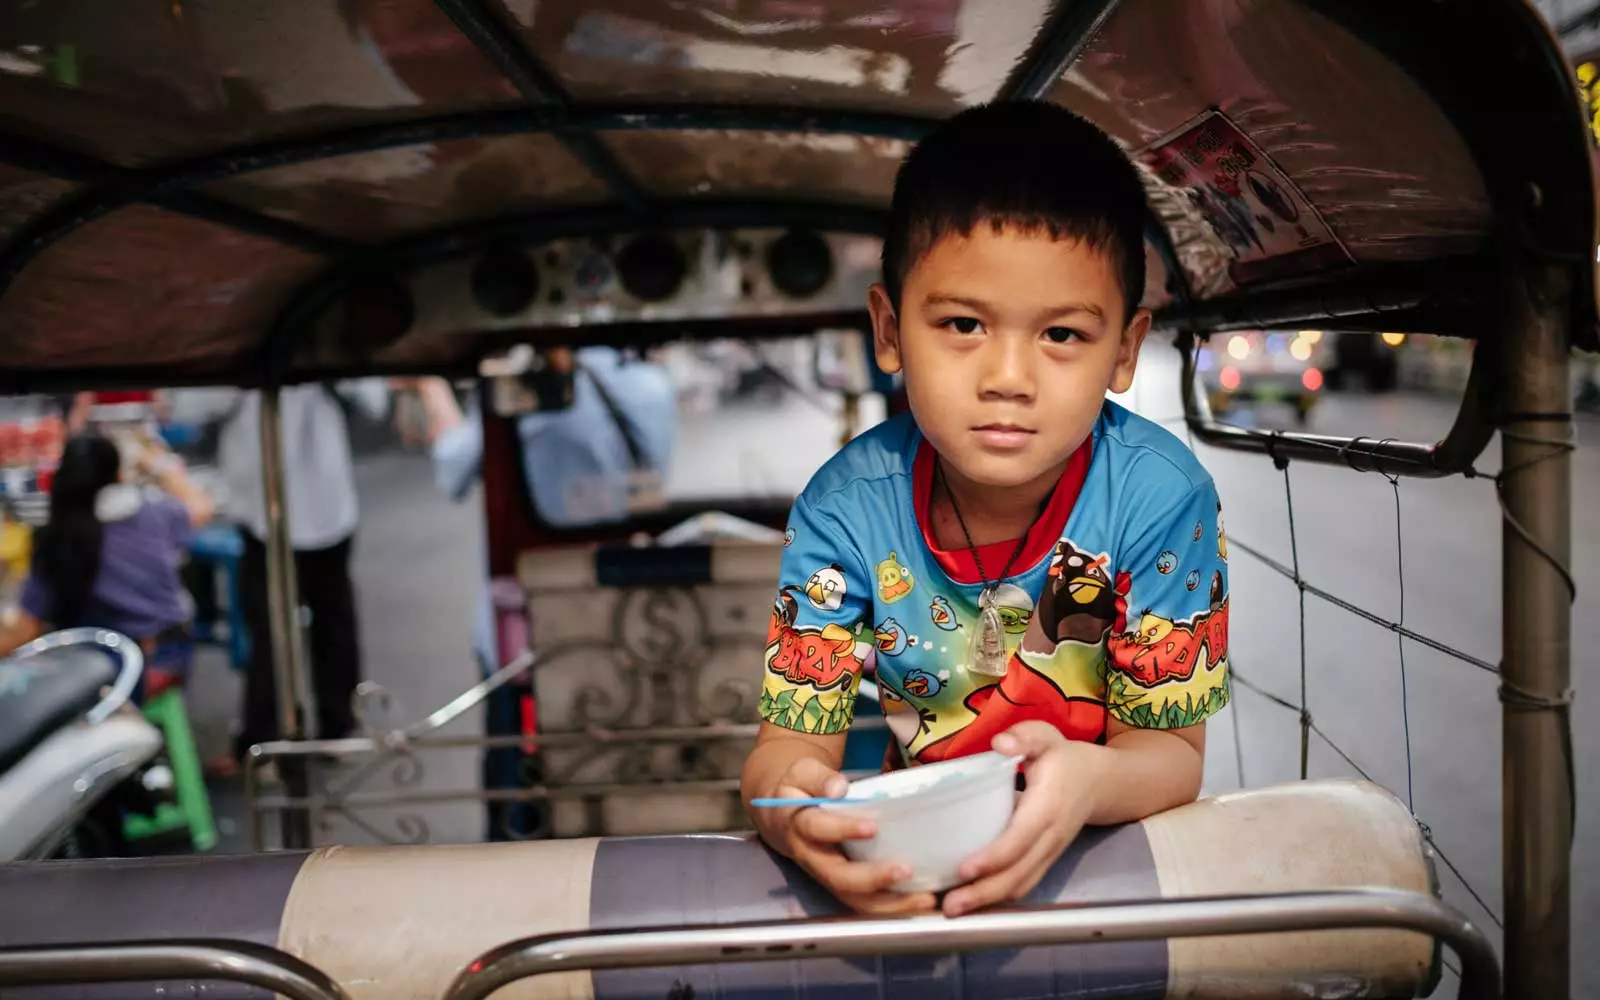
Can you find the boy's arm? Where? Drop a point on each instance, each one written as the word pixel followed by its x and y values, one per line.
pixel 1140 772
pixel 784 757
pixel 1167 670
pixel 811 672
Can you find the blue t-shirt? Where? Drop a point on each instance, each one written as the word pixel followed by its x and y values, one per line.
pixel 1118 602
pixel 137 591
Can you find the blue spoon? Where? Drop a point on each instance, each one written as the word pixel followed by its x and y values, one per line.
pixel 800 802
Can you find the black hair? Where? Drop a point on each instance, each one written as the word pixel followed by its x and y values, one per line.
pixel 1028 164
pixel 66 554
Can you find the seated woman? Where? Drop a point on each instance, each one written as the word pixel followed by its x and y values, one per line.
pixel 109 557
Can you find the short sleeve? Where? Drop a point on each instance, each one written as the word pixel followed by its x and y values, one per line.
pixel 1167 658
pixel 173 517
pixel 458 455
pixel 815 642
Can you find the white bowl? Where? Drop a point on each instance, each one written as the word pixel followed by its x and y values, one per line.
pixel 933 817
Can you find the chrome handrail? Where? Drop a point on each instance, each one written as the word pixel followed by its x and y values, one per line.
pixel 781 940
pixel 125 649
pixel 155 961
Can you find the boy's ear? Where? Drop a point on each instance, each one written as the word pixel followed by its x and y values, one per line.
pixel 885 329
pixel 1128 351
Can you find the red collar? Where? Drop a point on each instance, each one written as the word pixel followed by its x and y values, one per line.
pixel 958 564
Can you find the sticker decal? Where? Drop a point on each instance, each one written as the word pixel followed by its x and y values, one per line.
pixel 894 579
pixel 1268 223
pixel 826 588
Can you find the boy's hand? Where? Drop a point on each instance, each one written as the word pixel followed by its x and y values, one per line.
pixel 1053 808
pixel 811 837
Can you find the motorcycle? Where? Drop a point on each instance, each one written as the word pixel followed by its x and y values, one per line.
pixel 76 755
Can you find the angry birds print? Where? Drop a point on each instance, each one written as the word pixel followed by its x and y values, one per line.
pixel 890 638
pixel 921 684
pixel 1158 649
pixel 1078 601
pixel 894 579
pixel 944 616
pixel 1222 536
pixel 784 609
pixel 826 588
pixel 822 658
pixel 788 538
pixel 1192 581
pixel 1199 529
pixel 1166 562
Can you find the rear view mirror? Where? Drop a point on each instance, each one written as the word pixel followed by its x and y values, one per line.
pixel 524 379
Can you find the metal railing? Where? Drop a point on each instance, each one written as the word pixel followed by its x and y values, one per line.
pixel 787 940
pixel 158 961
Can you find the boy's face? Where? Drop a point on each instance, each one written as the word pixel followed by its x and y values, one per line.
pixel 1009 341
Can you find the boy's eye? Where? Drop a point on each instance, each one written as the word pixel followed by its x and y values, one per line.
pixel 962 324
pixel 1061 334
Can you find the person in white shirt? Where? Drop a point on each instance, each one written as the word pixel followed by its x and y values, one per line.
pixel 322 514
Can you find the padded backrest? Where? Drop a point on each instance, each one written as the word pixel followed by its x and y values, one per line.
pixel 635 639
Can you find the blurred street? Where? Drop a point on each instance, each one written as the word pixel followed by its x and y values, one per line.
pixel 418 560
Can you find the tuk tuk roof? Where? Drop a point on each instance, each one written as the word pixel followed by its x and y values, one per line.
pixel 215 191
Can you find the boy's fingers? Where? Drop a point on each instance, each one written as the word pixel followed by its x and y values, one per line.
pixel 1030 739
pixel 814 778
pixel 829 827
pixel 885 904
pixel 857 878
pixel 844 877
pixel 1025 832
pixel 1008 884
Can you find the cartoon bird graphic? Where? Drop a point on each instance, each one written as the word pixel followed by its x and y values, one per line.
pixel 921 684
pixel 944 616
pixel 784 611
pixel 906 721
pixel 894 579
pixel 1078 601
pixel 890 637
pixel 826 588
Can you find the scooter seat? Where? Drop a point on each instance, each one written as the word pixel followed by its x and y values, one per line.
pixel 42 692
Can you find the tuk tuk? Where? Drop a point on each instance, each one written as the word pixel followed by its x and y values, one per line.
pixel 263 195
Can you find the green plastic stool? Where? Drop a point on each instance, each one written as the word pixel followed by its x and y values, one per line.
pixel 192 810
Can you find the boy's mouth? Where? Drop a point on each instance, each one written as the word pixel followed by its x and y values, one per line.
pixel 1003 437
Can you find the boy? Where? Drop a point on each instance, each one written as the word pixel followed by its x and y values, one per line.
pixel 1030 567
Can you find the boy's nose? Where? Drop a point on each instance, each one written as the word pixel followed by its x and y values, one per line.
pixel 1008 371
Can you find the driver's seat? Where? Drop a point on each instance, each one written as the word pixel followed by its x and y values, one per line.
pixel 42 692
